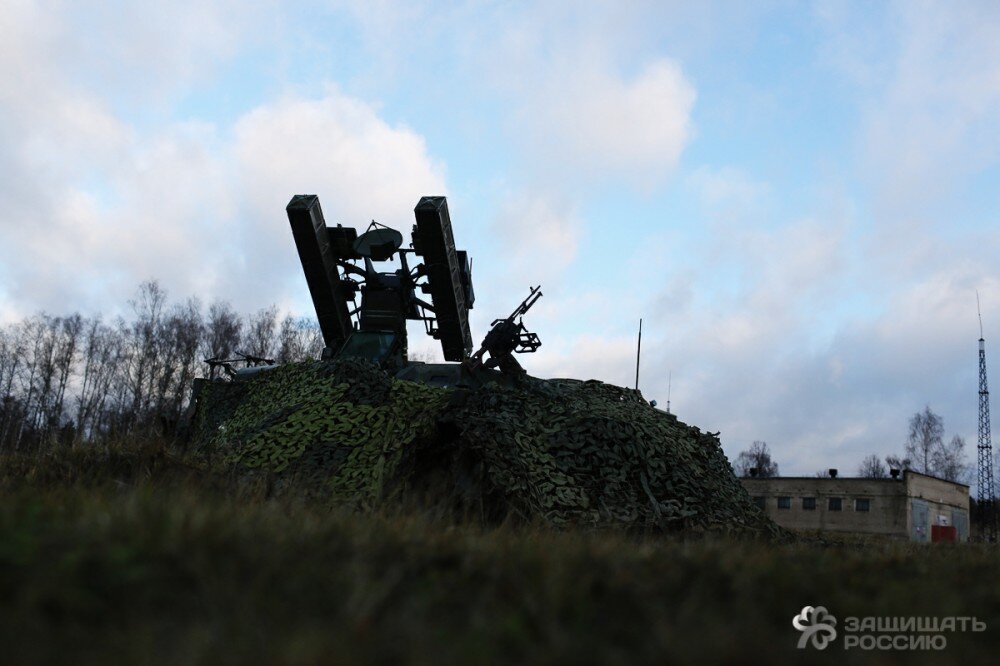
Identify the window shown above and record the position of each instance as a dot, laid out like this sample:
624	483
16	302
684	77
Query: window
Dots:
835	504
808	503
784	502
862	505
761	502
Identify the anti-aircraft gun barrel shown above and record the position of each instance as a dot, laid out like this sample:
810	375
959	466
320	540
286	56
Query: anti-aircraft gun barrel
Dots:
526	304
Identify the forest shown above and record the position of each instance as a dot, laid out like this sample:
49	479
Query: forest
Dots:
67	379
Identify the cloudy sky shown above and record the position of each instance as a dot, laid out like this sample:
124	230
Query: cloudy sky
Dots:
800	200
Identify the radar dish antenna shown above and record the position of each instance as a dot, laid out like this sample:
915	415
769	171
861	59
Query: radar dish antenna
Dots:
379	243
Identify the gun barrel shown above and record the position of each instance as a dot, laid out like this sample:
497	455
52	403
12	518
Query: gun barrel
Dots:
528	302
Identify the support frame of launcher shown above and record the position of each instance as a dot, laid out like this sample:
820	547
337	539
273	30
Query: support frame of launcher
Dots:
433	285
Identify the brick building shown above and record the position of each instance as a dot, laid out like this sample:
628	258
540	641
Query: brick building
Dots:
916	506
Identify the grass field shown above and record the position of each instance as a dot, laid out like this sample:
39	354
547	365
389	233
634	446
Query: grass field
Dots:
134	556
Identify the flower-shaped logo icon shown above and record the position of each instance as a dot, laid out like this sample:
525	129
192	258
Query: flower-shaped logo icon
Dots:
816	625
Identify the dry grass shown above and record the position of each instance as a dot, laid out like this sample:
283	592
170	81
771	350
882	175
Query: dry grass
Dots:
132	555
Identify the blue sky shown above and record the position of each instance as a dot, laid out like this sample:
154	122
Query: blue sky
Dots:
800	199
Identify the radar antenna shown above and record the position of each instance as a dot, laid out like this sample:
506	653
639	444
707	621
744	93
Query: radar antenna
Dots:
339	265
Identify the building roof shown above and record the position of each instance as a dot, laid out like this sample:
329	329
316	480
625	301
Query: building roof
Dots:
852	478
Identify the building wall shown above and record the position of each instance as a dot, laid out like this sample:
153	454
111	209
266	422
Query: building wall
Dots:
936	502
905	508
888	505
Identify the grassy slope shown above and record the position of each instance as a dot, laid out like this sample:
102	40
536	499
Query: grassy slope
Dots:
109	557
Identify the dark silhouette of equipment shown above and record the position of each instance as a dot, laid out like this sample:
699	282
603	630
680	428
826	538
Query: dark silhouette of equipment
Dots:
339	265
251	363
506	338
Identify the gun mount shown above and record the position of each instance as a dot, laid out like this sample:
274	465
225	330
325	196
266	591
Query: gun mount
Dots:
508	337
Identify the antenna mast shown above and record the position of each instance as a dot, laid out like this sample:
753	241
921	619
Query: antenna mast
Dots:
638	352
980	313
986	504
670	376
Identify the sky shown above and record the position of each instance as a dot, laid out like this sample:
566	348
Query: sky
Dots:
799	199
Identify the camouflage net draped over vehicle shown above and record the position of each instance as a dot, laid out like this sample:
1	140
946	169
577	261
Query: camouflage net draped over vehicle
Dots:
565	451
339	427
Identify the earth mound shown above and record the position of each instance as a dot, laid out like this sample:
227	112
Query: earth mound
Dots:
563	451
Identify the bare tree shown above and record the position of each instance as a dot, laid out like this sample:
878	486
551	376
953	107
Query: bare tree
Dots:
144	359
70	378
60	353
102	350
261	330
872	468
222	331
11	408
925	438
422	356
312	338
32	378
299	339
117	416
949	461
757	457
926	447
185	330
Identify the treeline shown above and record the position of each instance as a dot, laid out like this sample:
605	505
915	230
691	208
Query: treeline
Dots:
71	379
925	451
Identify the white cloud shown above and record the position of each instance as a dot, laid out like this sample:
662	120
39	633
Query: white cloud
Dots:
199	207
933	116
584	90
339	146
742	326
829	405
726	189
609	358
539	234
583	117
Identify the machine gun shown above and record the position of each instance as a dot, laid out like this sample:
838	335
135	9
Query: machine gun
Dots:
507	337
252	365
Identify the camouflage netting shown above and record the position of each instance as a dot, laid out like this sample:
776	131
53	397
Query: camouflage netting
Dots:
565	451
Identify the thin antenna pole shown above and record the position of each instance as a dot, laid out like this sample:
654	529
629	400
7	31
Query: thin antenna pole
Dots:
638	353
980	313
670	376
